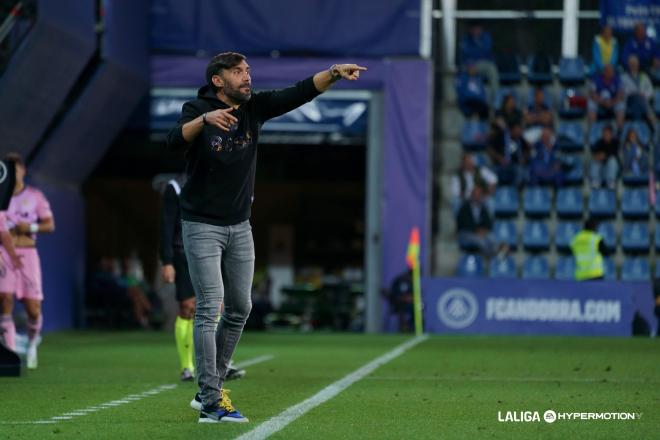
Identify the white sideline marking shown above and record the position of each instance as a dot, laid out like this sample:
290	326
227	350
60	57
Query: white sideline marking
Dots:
253	361
511	379
281	420
85	411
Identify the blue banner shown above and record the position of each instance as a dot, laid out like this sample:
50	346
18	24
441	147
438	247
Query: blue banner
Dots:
542	307
373	28
622	15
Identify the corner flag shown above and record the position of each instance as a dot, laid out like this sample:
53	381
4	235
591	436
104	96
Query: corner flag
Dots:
412	258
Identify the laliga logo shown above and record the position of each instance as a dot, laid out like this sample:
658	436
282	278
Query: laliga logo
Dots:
457	308
3	172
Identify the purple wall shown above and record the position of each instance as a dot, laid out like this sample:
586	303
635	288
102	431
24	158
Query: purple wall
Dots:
407	137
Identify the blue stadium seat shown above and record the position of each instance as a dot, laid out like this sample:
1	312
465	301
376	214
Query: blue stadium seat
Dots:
571	71
602	203
565	269
506	201
505	232
595	132
508	68
635	237
536	236
656	102
536	267
566	108
537	201
635	180
607	231
642	129
503	267
635	269
539	69
610	269
565	233
570	202
570	136
635	203
501	93
470	266
575	174
474	135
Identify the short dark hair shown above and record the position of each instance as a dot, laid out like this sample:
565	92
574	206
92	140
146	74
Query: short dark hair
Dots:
591	224
225	60
15	158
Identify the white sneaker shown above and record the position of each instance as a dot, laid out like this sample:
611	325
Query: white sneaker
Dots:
32	361
32	357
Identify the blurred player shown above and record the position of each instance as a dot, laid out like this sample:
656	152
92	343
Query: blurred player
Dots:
220	131
7	329
28	214
175	270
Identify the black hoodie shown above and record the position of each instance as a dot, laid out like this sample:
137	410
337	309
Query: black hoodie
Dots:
221	164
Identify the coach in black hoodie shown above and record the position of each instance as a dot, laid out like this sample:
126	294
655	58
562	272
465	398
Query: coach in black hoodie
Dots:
219	131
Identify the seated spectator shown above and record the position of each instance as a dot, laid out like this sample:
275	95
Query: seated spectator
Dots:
605	160
508	114
546	167
509	153
643	47
469	175
474	224
477	48
604	50
471	93
538	112
607	96
638	91
634	156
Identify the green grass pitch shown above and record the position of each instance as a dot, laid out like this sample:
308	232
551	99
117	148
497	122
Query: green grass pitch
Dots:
444	388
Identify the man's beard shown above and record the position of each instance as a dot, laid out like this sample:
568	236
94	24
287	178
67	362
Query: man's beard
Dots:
237	95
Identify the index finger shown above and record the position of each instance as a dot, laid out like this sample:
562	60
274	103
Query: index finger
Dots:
356	67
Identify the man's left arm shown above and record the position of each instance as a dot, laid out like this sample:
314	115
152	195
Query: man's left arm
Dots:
278	102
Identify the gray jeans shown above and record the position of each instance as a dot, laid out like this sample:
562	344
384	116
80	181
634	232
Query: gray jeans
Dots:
221	265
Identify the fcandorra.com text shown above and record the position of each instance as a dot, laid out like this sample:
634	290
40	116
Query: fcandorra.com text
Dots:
552	416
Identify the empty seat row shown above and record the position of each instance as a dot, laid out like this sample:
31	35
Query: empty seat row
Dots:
570	202
538	267
539	69
536	235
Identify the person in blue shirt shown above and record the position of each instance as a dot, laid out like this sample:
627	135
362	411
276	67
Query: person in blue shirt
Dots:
634	156
607	96
471	93
477	48
546	167
645	48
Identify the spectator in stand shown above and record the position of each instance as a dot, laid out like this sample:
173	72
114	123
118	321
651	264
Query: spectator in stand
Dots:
509	153
604	50
477	48
605	160
638	91
546	167
469	175
538	111
607	96
634	156
643	47
474	224
537	116
472	98
509	114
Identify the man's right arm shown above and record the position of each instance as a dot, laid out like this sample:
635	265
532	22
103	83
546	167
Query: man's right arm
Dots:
187	129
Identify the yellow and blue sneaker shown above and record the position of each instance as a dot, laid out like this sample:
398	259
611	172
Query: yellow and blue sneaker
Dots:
223	411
